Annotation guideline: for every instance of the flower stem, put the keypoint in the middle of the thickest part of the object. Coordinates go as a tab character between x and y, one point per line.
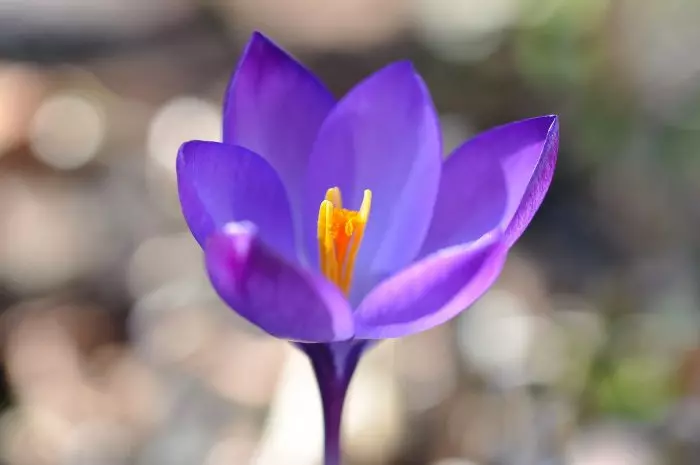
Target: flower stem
334	364
333	402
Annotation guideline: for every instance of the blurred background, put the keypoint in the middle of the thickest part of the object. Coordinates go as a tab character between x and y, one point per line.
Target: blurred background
116	351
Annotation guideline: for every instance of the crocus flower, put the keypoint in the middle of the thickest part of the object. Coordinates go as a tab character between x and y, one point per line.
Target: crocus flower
336	223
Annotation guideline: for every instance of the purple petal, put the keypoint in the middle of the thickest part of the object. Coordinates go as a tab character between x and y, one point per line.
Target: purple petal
383	136
498	178
282	299
529	173
221	183
431	291
274	107
471	201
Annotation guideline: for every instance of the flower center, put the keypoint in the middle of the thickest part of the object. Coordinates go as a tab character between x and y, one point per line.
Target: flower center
340	233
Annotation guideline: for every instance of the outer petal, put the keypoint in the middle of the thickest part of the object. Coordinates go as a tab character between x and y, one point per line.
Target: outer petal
274	107
431	291
498	178
280	298
221	183
530	171
384	136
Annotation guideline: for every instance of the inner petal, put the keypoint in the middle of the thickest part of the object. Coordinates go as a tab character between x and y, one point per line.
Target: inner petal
339	235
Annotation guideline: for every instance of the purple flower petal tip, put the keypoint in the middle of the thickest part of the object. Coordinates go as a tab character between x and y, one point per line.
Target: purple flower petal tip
277	296
531	172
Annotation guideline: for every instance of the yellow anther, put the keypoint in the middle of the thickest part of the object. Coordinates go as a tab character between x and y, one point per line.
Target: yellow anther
340	233
333	196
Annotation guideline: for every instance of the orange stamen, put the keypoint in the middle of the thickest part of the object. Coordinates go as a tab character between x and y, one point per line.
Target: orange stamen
340	233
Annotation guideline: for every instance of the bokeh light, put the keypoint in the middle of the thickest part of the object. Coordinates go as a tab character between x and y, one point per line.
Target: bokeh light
67	131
